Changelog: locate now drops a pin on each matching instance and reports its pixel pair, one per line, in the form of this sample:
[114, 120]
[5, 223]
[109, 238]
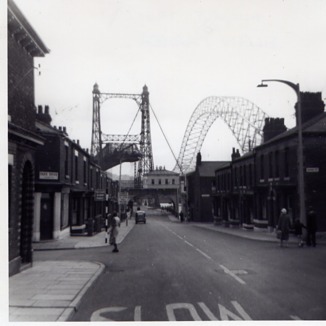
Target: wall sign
[312, 170]
[47, 175]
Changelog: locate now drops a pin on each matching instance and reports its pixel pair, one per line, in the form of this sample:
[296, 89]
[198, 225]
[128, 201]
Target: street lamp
[301, 193]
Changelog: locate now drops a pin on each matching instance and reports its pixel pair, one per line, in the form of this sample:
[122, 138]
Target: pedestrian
[283, 227]
[311, 227]
[298, 226]
[128, 213]
[181, 216]
[114, 231]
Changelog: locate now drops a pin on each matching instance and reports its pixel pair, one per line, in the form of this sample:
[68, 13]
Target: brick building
[23, 46]
[164, 186]
[70, 187]
[200, 184]
[264, 180]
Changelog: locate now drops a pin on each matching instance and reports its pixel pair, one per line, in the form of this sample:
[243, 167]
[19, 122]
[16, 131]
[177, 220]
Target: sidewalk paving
[52, 290]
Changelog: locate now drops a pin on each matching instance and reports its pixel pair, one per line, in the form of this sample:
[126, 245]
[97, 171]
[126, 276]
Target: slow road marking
[120, 313]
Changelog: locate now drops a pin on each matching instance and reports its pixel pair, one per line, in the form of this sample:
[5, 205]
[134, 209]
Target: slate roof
[207, 169]
[314, 125]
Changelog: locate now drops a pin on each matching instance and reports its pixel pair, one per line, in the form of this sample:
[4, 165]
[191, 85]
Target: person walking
[283, 227]
[114, 231]
[298, 226]
[311, 227]
[181, 216]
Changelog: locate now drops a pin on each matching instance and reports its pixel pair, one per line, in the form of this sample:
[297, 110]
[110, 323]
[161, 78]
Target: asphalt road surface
[171, 271]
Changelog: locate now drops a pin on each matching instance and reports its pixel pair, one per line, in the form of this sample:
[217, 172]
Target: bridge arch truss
[244, 119]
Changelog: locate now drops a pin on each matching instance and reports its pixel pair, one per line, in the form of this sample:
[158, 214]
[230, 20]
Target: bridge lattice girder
[244, 118]
[109, 149]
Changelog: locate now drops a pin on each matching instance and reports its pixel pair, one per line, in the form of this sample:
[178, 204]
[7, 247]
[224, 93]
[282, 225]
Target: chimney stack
[272, 128]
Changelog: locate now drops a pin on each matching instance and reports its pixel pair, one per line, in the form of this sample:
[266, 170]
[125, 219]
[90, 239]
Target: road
[168, 271]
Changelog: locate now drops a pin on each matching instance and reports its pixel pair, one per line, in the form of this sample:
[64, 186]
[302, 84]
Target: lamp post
[301, 191]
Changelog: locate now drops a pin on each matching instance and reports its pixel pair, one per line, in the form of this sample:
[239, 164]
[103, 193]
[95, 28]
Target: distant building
[200, 184]
[163, 185]
[23, 46]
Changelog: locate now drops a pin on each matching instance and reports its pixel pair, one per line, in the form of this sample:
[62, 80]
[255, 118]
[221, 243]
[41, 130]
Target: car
[140, 217]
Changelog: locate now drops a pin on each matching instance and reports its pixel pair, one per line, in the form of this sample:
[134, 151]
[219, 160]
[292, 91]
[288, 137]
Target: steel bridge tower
[111, 150]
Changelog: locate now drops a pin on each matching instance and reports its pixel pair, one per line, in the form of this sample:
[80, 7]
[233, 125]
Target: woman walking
[114, 230]
[283, 227]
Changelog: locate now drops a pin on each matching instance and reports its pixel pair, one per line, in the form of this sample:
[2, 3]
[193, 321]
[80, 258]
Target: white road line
[189, 244]
[137, 314]
[295, 317]
[227, 271]
[207, 311]
[240, 310]
[201, 252]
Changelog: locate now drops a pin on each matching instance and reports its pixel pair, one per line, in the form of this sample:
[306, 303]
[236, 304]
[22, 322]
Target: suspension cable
[120, 147]
[166, 139]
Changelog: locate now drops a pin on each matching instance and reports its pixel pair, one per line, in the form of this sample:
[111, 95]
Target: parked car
[140, 217]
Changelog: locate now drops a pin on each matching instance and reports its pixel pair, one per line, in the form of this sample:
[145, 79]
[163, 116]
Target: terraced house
[251, 190]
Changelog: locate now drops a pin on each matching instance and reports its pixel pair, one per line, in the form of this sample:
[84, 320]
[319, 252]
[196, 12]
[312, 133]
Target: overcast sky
[184, 51]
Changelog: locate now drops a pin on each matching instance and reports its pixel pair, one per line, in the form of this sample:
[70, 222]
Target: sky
[184, 51]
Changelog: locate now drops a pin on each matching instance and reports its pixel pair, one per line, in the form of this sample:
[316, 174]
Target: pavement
[53, 290]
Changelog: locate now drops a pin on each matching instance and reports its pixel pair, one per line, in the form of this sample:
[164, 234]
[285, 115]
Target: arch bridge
[244, 119]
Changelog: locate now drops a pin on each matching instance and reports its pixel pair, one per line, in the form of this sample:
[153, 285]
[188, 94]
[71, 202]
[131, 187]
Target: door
[46, 217]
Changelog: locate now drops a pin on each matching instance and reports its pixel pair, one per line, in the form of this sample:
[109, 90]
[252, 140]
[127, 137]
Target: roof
[314, 125]
[207, 169]
[161, 172]
[22, 31]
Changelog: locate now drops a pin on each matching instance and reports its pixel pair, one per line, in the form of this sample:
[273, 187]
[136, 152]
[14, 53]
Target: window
[76, 168]
[66, 161]
[91, 177]
[159, 181]
[153, 182]
[277, 164]
[262, 170]
[9, 193]
[166, 181]
[173, 181]
[97, 178]
[245, 175]
[85, 171]
[240, 176]
[270, 165]
[286, 163]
